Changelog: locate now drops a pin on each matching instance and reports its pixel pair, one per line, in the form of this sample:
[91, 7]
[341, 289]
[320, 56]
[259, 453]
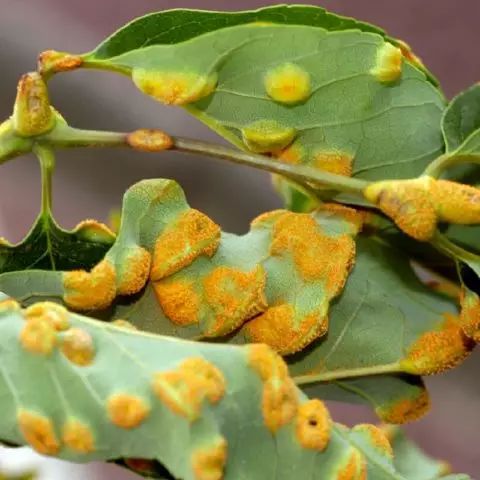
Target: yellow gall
[90, 290]
[9, 305]
[179, 300]
[408, 203]
[94, 231]
[124, 324]
[133, 270]
[313, 425]
[354, 467]
[208, 462]
[38, 336]
[279, 328]
[77, 345]
[266, 362]
[455, 202]
[54, 313]
[78, 436]
[174, 88]
[212, 378]
[234, 297]
[334, 162]
[388, 66]
[52, 61]
[405, 410]
[377, 437]
[438, 350]
[288, 83]
[192, 235]
[146, 140]
[264, 136]
[279, 402]
[127, 411]
[38, 431]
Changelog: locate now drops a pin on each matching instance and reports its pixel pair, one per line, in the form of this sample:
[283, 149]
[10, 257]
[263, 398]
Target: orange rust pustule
[38, 336]
[127, 411]
[354, 468]
[409, 55]
[408, 203]
[52, 61]
[179, 300]
[55, 314]
[234, 296]
[440, 350]
[38, 431]
[9, 305]
[77, 345]
[377, 438]
[209, 462]
[313, 425]
[184, 390]
[90, 290]
[295, 154]
[405, 410]
[192, 235]
[146, 140]
[279, 403]
[338, 163]
[278, 328]
[470, 313]
[78, 436]
[266, 362]
[133, 273]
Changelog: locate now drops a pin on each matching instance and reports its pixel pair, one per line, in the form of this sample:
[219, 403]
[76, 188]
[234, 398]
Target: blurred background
[445, 34]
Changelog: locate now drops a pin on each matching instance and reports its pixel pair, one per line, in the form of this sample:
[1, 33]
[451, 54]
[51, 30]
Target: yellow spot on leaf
[9, 305]
[77, 346]
[133, 271]
[288, 83]
[179, 301]
[405, 410]
[234, 297]
[38, 431]
[54, 313]
[174, 88]
[149, 140]
[78, 436]
[279, 329]
[38, 336]
[209, 462]
[94, 231]
[439, 350]
[408, 204]
[90, 290]
[354, 467]
[193, 234]
[337, 163]
[388, 67]
[267, 363]
[126, 410]
[377, 438]
[263, 136]
[313, 425]
[279, 402]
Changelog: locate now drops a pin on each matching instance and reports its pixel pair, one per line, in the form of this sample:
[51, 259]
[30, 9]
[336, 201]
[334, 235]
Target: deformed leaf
[335, 94]
[222, 411]
[49, 247]
[172, 271]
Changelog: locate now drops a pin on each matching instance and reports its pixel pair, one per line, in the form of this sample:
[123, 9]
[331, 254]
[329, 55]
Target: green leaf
[60, 394]
[349, 110]
[49, 247]
[272, 285]
[411, 461]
